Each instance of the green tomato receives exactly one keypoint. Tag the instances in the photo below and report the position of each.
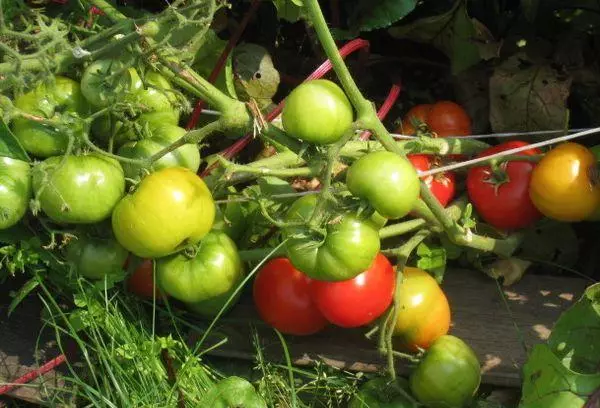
(155, 80)
(213, 272)
(187, 156)
(448, 375)
(95, 258)
(317, 112)
(349, 247)
(82, 190)
(106, 81)
(169, 210)
(232, 392)
(15, 191)
(388, 181)
(157, 107)
(62, 95)
(382, 393)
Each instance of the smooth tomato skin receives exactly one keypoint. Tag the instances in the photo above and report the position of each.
(161, 111)
(424, 312)
(207, 279)
(83, 190)
(283, 300)
(508, 206)
(357, 301)
(417, 113)
(349, 248)
(317, 112)
(444, 118)
(141, 281)
(443, 186)
(448, 375)
(95, 86)
(185, 156)
(561, 187)
(388, 181)
(96, 258)
(15, 190)
(170, 209)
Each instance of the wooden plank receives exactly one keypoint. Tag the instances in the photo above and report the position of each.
(479, 316)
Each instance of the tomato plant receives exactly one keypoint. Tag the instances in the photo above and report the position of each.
(186, 156)
(564, 184)
(380, 392)
(442, 185)
(206, 280)
(444, 118)
(360, 300)
(448, 375)
(387, 181)
(348, 247)
(15, 190)
(283, 300)
(423, 312)
(61, 95)
(170, 209)
(105, 81)
(318, 112)
(501, 196)
(96, 258)
(79, 190)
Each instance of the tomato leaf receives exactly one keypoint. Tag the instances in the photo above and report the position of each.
(206, 58)
(550, 242)
(22, 293)
(232, 392)
(9, 144)
(432, 259)
(369, 15)
(289, 10)
(528, 96)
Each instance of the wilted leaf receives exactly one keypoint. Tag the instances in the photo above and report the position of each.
(232, 392)
(9, 144)
(255, 75)
(465, 41)
(575, 338)
(549, 384)
(526, 97)
(511, 270)
(550, 241)
(368, 15)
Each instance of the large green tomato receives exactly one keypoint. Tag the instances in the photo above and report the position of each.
(107, 80)
(157, 108)
(317, 112)
(96, 258)
(62, 95)
(186, 156)
(15, 191)
(388, 181)
(208, 279)
(349, 247)
(448, 376)
(382, 393)
(170, 209)
(82, 190)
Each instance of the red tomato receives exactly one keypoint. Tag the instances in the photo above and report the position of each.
(141, 283)
(444, 118)
(442, 185)
(283, 300)
(504, 204)
(360, 300)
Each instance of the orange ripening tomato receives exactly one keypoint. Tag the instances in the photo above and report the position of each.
(424, 312)
(564, 184)
(444, 118)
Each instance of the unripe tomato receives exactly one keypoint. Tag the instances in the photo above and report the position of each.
(96, 258)
(283, 299)
(104, 81)
(170, 209)
(448, 375)
(82, 190)
(15, 191)
(442, 185)
(424, 312)
(564, 184)
(317, 112)
(388, 181)
(360, 300)
(444, 118)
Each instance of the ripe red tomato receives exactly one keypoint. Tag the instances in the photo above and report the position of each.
(283, 300)
(504, 204)
(141, 281)
(442, 185)
(360, 300)
(444, 118)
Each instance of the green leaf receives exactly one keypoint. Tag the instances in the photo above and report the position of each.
(206, 59)
(289, 10)
(549, 384)
(369, 15)
(22, 293)
(432, 259)
(9, 144)
(232, 392)
(575, 338)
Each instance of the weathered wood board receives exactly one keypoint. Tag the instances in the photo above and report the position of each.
(479, 316)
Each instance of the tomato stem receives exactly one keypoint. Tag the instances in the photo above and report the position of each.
(401, 228)
(111, 12)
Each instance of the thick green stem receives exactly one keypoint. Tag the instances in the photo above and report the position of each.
(111, 12)
(401, 228)
(244, 171)
(272, 134)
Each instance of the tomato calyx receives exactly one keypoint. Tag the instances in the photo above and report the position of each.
(497, 175)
